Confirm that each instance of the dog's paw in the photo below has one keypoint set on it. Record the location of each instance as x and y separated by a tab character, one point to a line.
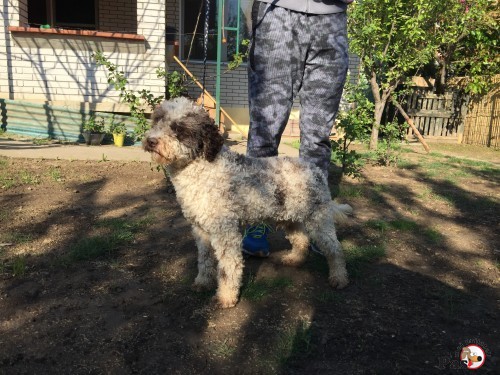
293	260
338	282
224	303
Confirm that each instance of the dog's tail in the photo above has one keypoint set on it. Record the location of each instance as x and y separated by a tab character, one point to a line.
340	212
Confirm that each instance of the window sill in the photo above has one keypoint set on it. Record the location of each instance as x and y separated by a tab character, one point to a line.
90	33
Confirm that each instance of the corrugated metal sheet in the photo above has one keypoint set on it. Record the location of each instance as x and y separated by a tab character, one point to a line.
47	121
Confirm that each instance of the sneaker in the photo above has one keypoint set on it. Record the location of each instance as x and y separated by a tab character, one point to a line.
255	240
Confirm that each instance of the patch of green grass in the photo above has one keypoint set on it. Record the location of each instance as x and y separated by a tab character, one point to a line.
468	162
403	224
432	235
428	194
223	348
16	237
4	163
5	215
358	257
91	248
19	266
380	188
379	225
399	224
406	164
292	342
256	290
330	296
117	233
350	191
55	174
41	141
6	182
16	267
28	178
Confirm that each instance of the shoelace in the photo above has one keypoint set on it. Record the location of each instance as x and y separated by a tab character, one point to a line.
258	231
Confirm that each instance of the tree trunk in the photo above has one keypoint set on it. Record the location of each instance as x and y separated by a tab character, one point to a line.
377	118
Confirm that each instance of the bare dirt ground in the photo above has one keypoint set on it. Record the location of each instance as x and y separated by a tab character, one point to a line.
96	263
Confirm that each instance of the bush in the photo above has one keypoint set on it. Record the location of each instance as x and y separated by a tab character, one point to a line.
353	125
94	125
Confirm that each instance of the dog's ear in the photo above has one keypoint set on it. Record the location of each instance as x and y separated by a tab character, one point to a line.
197	131
212	140
158	114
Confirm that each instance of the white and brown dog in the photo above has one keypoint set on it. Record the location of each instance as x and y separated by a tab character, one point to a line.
219	190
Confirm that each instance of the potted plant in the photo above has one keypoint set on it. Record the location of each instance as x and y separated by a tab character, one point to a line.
119	131
93	131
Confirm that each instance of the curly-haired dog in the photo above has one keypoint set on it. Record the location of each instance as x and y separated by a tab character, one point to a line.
219	190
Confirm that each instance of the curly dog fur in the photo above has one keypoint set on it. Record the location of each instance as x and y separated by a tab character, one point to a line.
219	190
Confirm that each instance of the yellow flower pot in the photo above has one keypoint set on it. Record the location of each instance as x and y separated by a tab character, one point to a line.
118	139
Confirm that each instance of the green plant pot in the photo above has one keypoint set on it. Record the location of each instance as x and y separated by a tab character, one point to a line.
93	139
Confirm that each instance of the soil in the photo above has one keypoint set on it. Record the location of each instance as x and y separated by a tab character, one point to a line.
130	308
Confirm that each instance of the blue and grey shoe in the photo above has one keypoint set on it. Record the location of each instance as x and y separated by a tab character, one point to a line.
255	240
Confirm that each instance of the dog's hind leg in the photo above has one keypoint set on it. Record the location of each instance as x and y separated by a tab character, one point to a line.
321	230
227	246
206	261
296	234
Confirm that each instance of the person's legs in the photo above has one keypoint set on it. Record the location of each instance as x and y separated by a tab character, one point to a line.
323	82
275	69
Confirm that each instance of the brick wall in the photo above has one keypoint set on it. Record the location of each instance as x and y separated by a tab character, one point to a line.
118	15
60	68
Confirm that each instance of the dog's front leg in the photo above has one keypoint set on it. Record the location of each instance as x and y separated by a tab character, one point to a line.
206	261
227	246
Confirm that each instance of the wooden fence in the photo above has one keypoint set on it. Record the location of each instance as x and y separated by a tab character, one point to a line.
482	124
438	116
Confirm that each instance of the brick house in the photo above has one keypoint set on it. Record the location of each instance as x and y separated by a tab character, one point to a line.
46	47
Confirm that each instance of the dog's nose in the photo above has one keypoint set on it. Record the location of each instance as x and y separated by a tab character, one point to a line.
152	143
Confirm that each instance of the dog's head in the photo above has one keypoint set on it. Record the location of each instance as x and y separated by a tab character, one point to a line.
182	132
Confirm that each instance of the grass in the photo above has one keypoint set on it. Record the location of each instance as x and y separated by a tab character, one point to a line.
292	342
357	258
22	177
453	169
429	194
91	248
16	237
432	235
223	348
4	163
116	232
41	141
28	178
19	266
348	191
330	296
55	174
16	266
256	290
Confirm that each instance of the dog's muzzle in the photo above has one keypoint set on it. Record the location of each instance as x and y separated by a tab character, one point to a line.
150	144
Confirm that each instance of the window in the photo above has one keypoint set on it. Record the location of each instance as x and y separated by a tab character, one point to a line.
79	14
193	30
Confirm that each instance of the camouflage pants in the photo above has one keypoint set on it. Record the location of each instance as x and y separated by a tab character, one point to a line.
294	54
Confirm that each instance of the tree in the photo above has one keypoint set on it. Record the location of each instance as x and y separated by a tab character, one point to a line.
468	36
391	37
395	38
